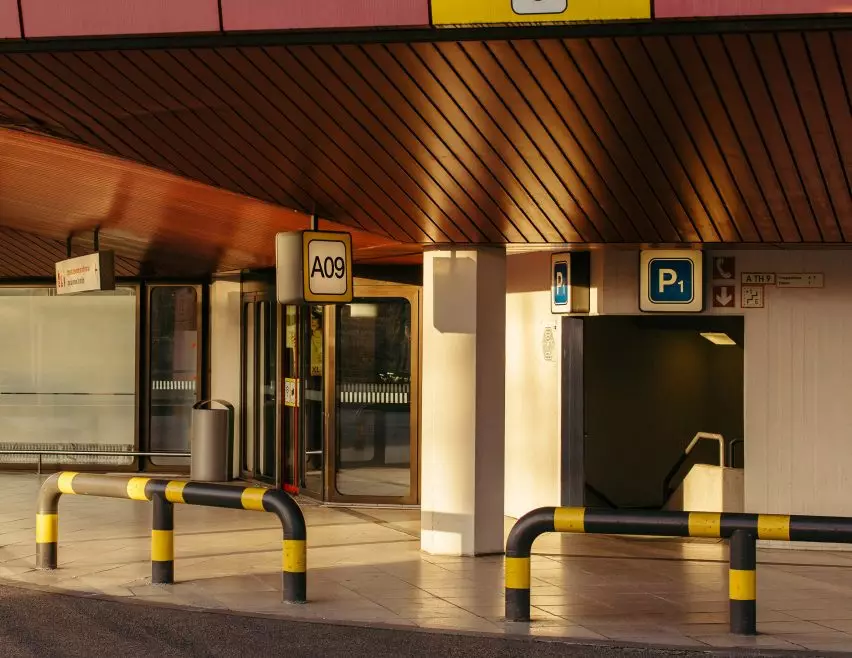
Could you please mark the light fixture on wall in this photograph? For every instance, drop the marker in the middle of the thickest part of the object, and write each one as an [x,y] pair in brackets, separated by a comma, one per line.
[718,338]
[363,310]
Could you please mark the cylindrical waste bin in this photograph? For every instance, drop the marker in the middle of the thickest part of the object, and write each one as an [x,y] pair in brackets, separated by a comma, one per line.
[211,441]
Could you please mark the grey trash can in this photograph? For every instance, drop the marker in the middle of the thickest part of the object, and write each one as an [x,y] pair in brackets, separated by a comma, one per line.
[211,441]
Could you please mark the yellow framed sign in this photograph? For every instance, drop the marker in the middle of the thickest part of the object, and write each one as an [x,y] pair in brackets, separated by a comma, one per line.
[477,12]
[327,267]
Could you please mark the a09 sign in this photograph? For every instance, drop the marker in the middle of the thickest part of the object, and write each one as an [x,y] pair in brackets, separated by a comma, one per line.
[327,267]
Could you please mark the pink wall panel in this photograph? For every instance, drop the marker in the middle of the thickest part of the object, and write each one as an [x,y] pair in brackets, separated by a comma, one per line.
[693,8]
[305,14]
[68,18]
[10,27]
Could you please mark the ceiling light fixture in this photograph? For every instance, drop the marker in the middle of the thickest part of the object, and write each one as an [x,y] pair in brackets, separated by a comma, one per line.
[718,338]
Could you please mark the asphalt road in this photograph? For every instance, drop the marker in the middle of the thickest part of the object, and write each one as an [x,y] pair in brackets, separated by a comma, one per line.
[39,624]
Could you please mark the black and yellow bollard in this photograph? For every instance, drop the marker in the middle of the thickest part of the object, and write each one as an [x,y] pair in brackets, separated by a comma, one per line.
[517,588]
[743,583]
[164,494]
[294,571]
[47,536]
[47,518]
[163,541]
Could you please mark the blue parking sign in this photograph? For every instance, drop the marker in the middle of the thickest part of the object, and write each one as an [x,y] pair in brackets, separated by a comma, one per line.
[560,283]
[671,280]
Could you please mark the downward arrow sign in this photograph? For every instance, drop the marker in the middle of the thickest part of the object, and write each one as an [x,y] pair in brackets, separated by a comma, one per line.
[724,298]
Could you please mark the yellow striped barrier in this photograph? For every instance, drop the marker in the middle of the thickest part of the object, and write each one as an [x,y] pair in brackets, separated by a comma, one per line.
[742,529]
[164,494]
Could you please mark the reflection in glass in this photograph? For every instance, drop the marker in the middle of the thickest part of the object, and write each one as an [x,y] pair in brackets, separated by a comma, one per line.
[290,393]
[374,398]
[258,453]
[250,388]
[268,360]
[313,404]
[67,373]
[174,368]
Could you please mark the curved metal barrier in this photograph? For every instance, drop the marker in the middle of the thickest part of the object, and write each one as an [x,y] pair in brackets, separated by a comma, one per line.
[163,494]
[742,529]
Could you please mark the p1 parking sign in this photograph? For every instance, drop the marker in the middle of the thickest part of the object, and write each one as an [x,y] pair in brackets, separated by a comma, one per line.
[671,281]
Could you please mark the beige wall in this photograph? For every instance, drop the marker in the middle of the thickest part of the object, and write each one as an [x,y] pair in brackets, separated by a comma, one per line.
[532,388]
[798,374]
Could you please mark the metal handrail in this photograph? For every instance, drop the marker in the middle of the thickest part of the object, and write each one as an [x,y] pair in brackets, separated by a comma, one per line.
[668,490]
[94,453]
[731,445]
[599,494]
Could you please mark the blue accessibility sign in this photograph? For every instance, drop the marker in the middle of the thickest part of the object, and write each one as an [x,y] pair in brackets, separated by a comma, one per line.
[671,280]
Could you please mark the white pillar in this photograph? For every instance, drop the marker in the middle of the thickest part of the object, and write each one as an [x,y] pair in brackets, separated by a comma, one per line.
[463,413]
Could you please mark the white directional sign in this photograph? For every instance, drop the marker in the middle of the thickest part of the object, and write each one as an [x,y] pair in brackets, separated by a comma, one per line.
[86,273]
[313,267]
[804,280]
[671,281]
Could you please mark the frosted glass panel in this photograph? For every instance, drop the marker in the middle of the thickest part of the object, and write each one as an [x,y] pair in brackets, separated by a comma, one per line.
[67,371]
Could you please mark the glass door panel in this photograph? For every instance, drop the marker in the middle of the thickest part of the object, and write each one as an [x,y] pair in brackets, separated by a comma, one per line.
[258,439]
[247,438]
[268,371]
[313,397]
[375,359]
[174,339]
[290,392]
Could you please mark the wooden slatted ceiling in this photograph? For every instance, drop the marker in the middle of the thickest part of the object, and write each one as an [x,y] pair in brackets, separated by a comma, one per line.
[167,224]
[24,255]
[683,139]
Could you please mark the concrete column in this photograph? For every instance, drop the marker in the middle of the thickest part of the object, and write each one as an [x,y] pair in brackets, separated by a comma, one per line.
[463,416]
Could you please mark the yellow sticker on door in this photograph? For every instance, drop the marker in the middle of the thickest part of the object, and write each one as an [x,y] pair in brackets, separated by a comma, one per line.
[474,12]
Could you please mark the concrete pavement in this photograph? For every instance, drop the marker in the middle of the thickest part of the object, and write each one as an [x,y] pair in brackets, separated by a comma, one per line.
[36,624]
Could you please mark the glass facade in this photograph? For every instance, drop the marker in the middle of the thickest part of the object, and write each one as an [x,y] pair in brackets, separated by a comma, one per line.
[68,372]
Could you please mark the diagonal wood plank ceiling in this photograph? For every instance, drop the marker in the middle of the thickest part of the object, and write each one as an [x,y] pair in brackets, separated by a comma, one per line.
[691,138]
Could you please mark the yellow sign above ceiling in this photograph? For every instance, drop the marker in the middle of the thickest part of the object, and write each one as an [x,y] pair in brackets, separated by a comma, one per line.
[473,12]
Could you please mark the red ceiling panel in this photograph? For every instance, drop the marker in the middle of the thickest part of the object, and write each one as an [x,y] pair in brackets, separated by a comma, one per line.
[10,23]
[697,8]
[72,18]
[297,14]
